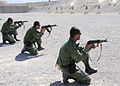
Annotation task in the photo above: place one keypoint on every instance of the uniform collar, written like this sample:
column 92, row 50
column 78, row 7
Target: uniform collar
column 71, row 39
column 34, row 28
column 7, row 23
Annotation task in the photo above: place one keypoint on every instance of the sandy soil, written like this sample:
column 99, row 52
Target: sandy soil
column 25, row 70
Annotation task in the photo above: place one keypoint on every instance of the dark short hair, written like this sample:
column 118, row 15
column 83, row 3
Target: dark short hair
column 74, row 31
column 36, row 23
column 9, row 19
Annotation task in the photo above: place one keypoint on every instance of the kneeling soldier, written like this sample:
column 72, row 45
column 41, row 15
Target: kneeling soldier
column 70, row 54
column 9, row 30
column 31, row 38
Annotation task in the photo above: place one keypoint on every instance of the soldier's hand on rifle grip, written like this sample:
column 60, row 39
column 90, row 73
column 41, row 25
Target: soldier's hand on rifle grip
column 15, row 25
column 88, row 47
column 93, row 46
column 22, row 23
column 43, row 30
column 50, row 27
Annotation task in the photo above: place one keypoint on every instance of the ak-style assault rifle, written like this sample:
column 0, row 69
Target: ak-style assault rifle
column 47, row 28
column 20, row 23
column 96, row 42
column 92, row 42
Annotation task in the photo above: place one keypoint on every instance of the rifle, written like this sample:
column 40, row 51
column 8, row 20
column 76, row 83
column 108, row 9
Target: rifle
column 49, row 26
column 20, row 23
column 92, row 42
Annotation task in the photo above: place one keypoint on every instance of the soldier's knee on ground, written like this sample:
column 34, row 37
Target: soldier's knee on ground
column 8, row 38
column 81, row 77
column 85, row 82
column 12, row 42
column 33, row 51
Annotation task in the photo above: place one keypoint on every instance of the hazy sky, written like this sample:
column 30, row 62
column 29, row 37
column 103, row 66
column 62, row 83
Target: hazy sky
column 22, row 1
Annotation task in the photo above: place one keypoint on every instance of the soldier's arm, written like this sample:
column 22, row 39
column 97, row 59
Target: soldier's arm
column 8, row 29
column 16, row 27
column 80, row 48
column 77, row 55
column 38, row 35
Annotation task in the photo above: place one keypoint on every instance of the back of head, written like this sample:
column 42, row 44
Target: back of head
column 9, row 19
column 74, row 31
column 36, row 23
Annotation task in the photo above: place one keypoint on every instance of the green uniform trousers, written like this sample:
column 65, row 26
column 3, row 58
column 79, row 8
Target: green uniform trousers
column 79, row 75
column 9, row 38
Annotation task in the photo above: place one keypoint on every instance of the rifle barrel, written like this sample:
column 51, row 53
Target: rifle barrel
column 46, row 26
column 20, row 21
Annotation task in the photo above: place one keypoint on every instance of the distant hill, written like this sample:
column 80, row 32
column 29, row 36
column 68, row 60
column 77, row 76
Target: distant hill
column 3, row 2
column 79, row 6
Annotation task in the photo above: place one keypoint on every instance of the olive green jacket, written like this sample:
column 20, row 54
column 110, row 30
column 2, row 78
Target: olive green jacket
column 69, row 52
column 8, row 28
column 32, row 35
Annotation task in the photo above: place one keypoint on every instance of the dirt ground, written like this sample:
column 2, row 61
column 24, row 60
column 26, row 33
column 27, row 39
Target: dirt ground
column 26, row 70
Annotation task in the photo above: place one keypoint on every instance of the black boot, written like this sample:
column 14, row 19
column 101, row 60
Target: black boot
column 89, row 70
column 16, row 38
column 40, row 48
column 65, row 78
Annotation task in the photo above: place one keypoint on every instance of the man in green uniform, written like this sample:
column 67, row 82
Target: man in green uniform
column 70, row 53
column 8, row 31
column 31, row 38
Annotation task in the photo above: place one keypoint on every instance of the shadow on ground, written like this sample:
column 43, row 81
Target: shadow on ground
column 58, row 83
column 3, row 45
column 23, row 57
